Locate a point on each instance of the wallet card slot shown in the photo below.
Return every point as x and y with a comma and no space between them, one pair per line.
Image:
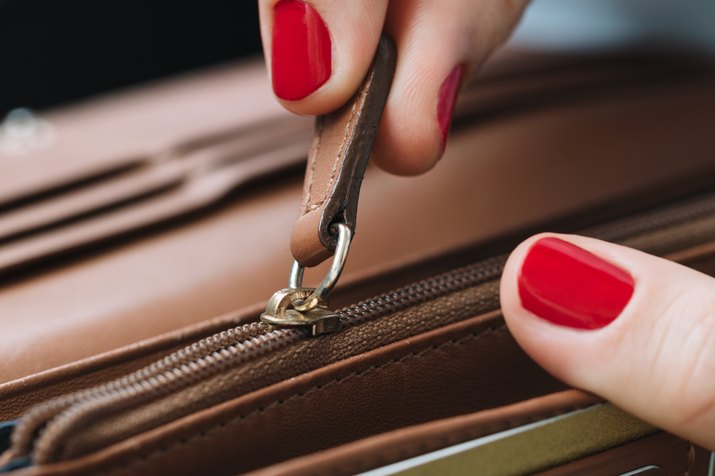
429,445
151,176
161,190
53,191
597,440
76,205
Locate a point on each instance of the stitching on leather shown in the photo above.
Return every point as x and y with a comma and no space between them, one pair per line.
336,161
318,140
124,464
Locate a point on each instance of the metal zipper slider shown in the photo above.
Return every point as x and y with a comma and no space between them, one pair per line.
296,306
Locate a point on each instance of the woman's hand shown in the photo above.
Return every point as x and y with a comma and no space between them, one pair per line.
320,50
630,327
635,329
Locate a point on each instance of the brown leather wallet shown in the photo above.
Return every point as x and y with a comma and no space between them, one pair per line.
185,214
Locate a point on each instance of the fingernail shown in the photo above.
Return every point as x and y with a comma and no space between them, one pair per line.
571,287
447,98
301,59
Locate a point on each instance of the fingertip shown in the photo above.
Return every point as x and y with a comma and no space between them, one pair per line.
571,301
562,297
413,133
318,50
617,322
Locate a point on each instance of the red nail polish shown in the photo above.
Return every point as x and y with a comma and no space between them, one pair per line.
569,286
447,98
302,51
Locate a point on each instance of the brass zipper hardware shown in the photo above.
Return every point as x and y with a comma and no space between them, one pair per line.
296,306
282,311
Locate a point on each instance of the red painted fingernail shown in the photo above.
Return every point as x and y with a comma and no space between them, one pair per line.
569,286
302,51
447,98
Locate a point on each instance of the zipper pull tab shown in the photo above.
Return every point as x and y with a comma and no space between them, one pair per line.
337,161
336,165
296,306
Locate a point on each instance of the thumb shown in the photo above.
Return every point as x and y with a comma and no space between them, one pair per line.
635,329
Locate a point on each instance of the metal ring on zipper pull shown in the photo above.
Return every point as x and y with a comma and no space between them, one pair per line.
331,278
296,306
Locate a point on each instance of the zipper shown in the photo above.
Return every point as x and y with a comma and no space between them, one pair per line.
42,434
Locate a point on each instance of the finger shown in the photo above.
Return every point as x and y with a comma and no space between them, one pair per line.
319,50
635,329
439,44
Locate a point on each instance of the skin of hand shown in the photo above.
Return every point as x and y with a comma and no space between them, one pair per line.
320,50
635,329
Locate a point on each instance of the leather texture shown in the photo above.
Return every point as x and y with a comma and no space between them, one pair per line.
385,389
575,120
337,161
407,382
380,450
397,387
672,455
391,387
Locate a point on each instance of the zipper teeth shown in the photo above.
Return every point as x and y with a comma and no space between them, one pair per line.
651,220
210,356
159,385
40,413
213,354
423,291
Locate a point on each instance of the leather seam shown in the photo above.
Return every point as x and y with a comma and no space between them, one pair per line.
309,194
163,449
336,161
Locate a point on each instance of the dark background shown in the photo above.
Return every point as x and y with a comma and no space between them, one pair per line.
57,51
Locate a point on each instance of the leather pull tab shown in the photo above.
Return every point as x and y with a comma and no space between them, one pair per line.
337,160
